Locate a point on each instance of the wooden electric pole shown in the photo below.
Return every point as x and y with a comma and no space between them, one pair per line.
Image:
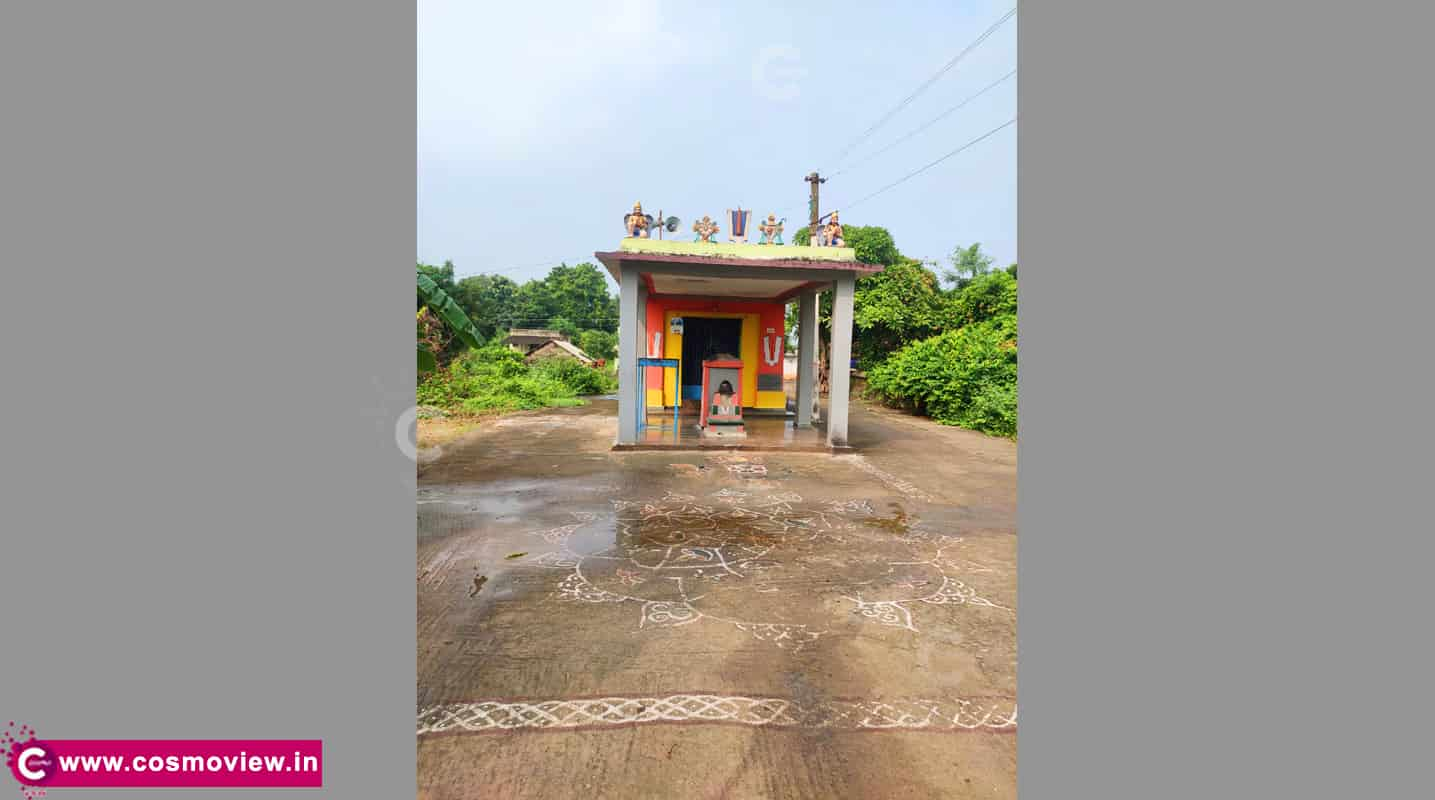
813,218
812,208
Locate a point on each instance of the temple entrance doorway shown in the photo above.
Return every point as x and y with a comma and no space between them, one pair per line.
705,338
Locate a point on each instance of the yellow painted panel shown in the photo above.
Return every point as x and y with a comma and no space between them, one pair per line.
749,359
771,399
672,348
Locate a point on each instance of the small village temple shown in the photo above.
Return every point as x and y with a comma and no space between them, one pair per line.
723,302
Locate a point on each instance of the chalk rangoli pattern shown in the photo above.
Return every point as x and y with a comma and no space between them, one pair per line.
951,714
760,562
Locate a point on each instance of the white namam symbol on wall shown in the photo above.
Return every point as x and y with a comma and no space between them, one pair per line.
771,349
764,563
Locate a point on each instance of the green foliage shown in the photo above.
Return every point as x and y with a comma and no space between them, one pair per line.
963,377
438,301
873,245
598,344
435,287
569,298
895,307
577,377
495,378
989,296
968,264
564,326
442,276
491,302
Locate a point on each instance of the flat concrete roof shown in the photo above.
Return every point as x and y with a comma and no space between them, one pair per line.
774,257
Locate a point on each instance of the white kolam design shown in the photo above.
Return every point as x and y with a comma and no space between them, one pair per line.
947,714
746,558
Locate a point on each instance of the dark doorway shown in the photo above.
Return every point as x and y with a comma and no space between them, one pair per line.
703,338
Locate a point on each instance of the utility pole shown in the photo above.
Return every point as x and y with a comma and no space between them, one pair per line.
812,207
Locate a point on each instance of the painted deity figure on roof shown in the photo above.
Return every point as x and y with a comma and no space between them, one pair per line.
705,229
831,234
771,230
636,222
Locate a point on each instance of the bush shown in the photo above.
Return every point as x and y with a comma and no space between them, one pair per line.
964,377
495,378
580,379
988,297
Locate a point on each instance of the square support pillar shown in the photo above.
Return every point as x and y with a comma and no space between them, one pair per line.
629,350
806,358
841,376
643,342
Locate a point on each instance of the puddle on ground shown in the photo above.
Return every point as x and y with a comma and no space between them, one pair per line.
448,509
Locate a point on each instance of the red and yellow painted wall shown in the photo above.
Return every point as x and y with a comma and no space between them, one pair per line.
761,347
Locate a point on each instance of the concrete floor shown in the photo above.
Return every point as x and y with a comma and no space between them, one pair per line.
716,624
760,432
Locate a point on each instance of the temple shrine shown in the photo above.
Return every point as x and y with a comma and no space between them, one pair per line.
691,302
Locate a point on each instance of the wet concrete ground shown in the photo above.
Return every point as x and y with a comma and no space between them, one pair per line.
674,624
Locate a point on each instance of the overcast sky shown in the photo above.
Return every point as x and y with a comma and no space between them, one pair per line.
539,124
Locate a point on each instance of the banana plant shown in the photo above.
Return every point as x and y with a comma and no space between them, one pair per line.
437,300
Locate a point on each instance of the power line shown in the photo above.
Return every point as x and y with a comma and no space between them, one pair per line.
926,124
919,171
552,262
502,318
925,85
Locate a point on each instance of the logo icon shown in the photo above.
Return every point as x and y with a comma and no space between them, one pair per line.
31,761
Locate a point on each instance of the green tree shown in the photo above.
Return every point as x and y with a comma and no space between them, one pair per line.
968,264
899,305
598,344
577,294
873,245
991,295
490,301
580,293
564,326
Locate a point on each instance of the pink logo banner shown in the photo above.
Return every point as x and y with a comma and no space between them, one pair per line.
166,763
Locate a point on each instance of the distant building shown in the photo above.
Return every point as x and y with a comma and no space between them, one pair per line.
559,348
526,340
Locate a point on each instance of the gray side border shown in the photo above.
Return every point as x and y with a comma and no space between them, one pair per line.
1224,399
208,524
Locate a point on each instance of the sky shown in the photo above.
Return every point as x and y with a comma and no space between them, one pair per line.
540,124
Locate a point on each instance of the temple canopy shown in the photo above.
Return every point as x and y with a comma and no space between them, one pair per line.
694,300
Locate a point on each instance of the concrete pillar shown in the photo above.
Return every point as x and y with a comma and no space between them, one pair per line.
643,341
628,350
841,361
806,358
